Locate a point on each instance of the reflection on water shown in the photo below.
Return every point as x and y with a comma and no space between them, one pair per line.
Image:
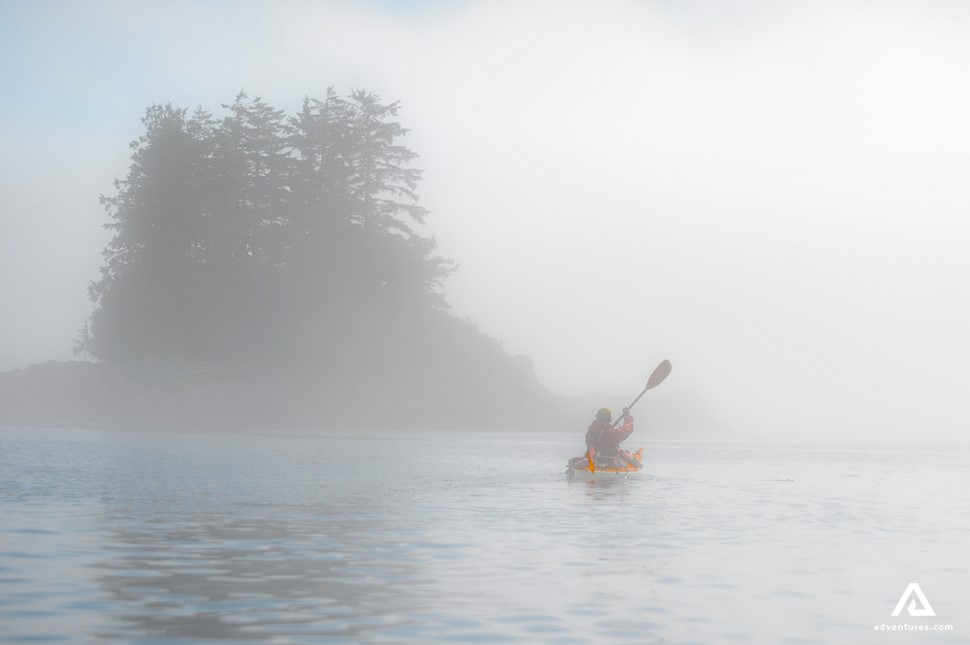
227,577
163,538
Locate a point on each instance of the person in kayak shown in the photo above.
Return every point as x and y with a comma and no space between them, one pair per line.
603,440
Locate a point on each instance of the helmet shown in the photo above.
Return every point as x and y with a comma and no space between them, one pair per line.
604,414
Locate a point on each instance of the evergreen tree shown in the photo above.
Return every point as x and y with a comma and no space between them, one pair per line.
357,205
154,249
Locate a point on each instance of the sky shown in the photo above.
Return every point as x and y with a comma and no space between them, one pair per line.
770,194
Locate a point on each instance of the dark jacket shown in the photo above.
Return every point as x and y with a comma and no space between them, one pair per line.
602,440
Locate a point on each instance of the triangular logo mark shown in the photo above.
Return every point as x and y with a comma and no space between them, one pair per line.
913,590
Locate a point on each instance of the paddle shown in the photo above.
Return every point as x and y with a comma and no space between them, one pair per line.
661,372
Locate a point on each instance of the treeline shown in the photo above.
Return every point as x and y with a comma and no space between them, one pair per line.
262,236
289,242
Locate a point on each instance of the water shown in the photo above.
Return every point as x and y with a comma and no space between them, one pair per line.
471,537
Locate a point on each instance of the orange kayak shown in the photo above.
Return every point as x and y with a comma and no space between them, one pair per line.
578,470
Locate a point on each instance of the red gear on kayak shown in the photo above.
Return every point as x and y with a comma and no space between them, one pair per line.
603,440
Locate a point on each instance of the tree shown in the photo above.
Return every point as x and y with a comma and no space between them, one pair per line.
357,205
155,219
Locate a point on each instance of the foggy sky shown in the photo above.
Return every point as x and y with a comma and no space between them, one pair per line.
772,195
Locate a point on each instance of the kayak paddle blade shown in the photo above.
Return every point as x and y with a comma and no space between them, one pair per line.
659,374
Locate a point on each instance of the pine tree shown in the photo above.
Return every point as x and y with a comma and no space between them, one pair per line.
152,254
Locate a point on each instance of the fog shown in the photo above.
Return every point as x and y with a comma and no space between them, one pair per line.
770,195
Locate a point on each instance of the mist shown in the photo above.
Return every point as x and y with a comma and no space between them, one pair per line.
768,195
319,321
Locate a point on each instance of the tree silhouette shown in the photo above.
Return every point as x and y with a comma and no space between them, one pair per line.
257,236
292,245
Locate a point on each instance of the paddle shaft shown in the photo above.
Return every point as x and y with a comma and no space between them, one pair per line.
659,374
629,407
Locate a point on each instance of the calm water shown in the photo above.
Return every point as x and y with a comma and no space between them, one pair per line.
472,537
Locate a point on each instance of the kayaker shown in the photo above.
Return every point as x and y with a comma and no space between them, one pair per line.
603,440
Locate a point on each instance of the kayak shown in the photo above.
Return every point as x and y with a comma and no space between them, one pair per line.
612,469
